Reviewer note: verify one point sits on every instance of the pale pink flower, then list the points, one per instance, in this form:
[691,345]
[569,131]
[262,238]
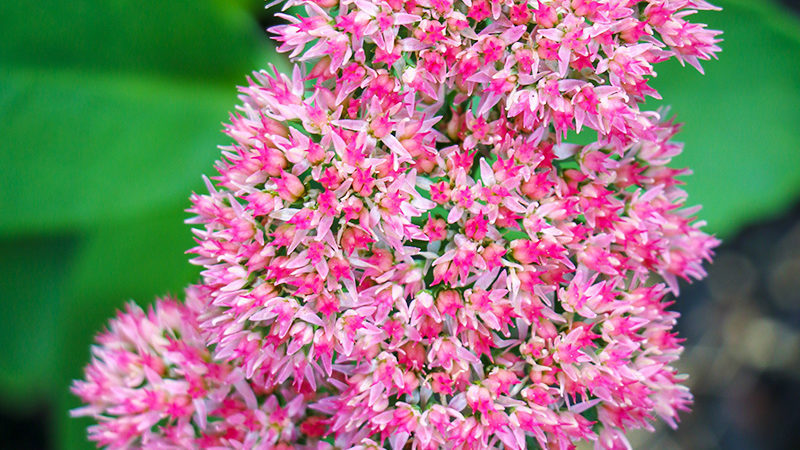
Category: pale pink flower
[401,235]
[153,384]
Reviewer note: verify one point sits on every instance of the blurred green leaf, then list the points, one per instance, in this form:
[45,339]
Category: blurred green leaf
[132,259]
[187,38]
[86,147]
[109,113]
[35,271]
[741,119]
[130,114]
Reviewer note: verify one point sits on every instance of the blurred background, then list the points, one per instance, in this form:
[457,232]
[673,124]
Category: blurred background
[111,110]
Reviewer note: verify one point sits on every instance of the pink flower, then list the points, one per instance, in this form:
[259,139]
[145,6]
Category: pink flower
[479,399]
[152,383]
[449,302]
[402,248]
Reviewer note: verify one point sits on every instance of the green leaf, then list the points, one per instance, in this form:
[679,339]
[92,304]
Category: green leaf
[741,118]
[35,271]
[109,114]
[84,147]
[187,38]
[111,109]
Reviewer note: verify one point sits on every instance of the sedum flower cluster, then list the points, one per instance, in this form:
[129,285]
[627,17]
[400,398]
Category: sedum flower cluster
[153,383]
[452,226]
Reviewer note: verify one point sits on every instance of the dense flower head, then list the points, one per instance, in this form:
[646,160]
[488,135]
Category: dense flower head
[562,64]
[451,226]
[153,384]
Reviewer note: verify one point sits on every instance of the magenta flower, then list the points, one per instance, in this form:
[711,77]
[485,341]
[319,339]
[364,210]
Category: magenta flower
[404,247]
[152,384]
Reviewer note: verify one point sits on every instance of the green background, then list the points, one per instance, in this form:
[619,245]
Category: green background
[110,112]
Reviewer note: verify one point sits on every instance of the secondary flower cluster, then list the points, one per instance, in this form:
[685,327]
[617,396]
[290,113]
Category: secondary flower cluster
[152,383]
[406,245]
